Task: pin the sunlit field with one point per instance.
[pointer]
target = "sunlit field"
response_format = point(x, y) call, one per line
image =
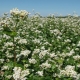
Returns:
point(39, 48)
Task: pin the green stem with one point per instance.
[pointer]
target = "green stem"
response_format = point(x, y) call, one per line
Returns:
point(14, 51)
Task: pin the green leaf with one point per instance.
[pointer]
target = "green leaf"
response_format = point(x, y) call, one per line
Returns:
point(57, 79)
point(60, 61)
point(47, 78)
point(10, 64)
point(53, 67)
point(10, 33)
point(13, 34)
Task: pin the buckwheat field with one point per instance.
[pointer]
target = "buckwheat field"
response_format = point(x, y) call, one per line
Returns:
point(39, 48)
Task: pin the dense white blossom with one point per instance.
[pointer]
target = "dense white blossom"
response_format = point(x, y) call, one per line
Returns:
point(1, 60)
point(9, 44)
point(43, 53)
point(52, 55)
point(25, 52)
point(32, 61)
point(36, 51)
point(20, 74)
point(77, 57)
point(22, 41)
point(45, 65)
point(69, 71)
point(78, 44)
point(21, 13)
point(40, 73)
point(15, 11)
point(5, 68)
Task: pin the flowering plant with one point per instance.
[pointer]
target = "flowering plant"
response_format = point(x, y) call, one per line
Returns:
point(39, 48)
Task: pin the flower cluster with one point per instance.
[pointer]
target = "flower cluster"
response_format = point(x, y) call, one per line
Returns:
point(69, 71)
point(20, 74)
point(21, 13)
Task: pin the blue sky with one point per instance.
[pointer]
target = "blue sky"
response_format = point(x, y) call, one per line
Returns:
point(44, 7)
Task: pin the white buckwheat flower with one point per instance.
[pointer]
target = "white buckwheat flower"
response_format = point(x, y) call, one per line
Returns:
point(24, 73)
point(78, 44)
point(35, 52)
point(69, 71)
point(32, 61)
point(1, 60)
point(15, 11)
point(23, 13)
point(40, 73)
point(9, 44)
point(77, 57)
point(45, 65)
point(20, 74)
point(22, 41)
point(25, 52)
point(53, 55)
point(5, 68)
point(43, 53)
